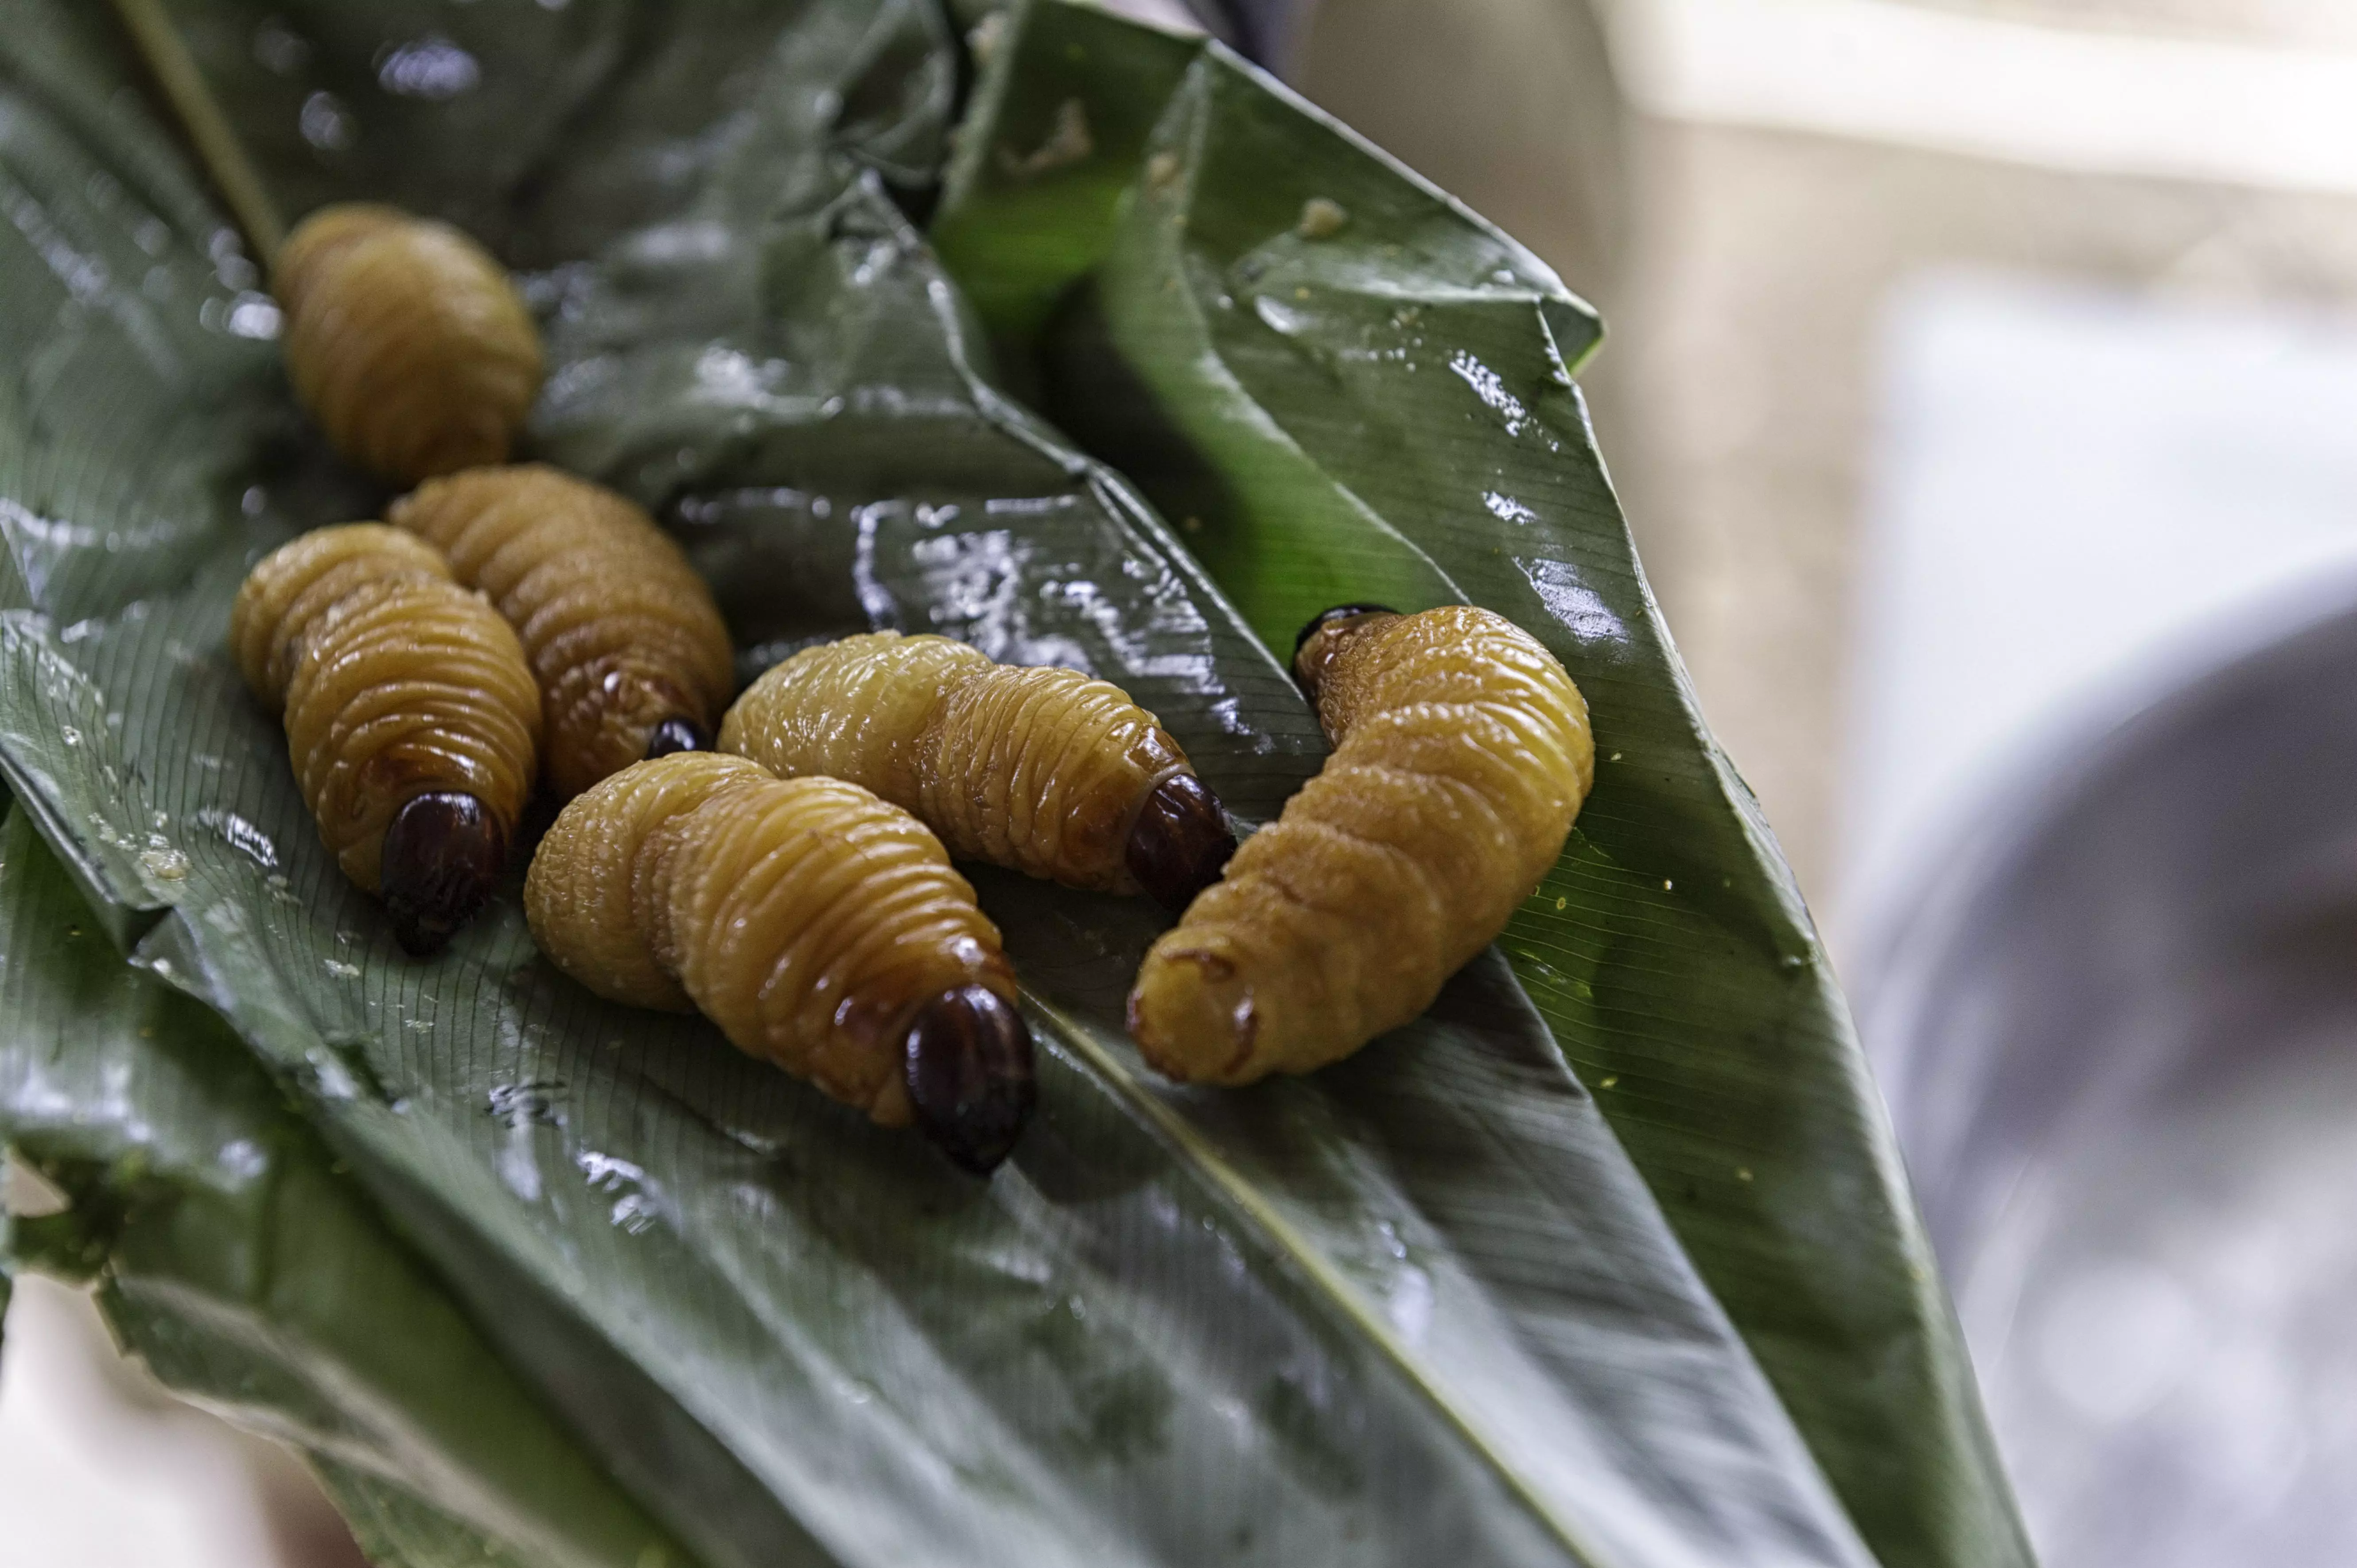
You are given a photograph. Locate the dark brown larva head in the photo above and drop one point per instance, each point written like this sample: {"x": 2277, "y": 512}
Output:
{"x": 443, "y": 855}
{"x": 677, "y": 734}
{"x": 1180, "y": 843}
{"x": 1314, "y": 646}
{"x": 967, "y": 1068}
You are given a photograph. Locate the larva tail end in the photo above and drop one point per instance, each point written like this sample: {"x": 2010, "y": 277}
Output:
{"x": 1180, "y": 843}
{"x": 677, "y": 734}
{"x": 1314, "y": 649}
{"x": 443, "y": 856}
{"x": 968, "y": 1072}
{"x": 1323, "y": 619}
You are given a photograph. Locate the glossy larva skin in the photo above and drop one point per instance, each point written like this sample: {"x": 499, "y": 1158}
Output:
{"x": 1044, "y": 770}
{"x": 619, "y": 628}
{"x": 406, "y": 341}
{"x": 392, "y": 682}
{"x": 807, "y": 918}
{"x": 1462, "y": 755}
{"x": 590, "y": 893}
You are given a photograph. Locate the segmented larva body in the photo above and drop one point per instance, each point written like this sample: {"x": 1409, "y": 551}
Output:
{"x": 1045, "y": 770}
{"x": 406, "y": 341}
{"x": 632, "y": 657}
{"x": 819, "y": 927}
{"x": 411, "y": 718}
{"x": 1462, "y": 755}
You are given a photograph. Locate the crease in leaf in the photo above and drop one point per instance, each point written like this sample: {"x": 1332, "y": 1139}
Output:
{"x": 1175, "y": 1129}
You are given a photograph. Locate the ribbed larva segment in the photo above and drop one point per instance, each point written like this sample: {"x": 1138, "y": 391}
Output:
{"x": 1461, "y": 756}
{"x": 392, "y": 682}
{"x": 298, "y": 582}
{"x": 812, "y": 919}
{"x": 860, "y": 709}
{"x": 807, "y": 918}
{"x": 406, "y": 341}
{"x": 1040, "y": 769}
{"x": 620, "y": 630}
{"x": 589, "y": 896}
{"x": 1043, "y": 770}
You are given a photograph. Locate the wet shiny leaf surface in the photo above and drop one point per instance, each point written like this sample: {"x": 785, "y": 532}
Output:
{"x": 1421, "y": 1305}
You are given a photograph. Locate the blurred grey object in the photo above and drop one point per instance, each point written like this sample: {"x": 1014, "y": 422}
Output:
{"x": 2119, "y": 1037}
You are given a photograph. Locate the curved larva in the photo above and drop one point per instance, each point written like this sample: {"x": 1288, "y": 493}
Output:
{"x": 632, "y": 656}
{"x": 406, "y": 341}
{"x": 411, "y": 718}
{"x": 589, "y": 895}
{"x": 819, "y": 927}
{"x": 1045, "y": 770}
{"x": 1462, "y": 755}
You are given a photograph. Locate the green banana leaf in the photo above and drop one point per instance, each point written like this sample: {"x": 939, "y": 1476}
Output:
{"x": 1421, "y": 1304}
{"x": 248, "y": 1274}
{"x": 1376, "y": 403}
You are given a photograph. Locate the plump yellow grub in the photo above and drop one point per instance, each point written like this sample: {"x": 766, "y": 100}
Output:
{"x": 1046, "y": 771}
{"x": 406, "y": 341}
{"x": 819, "y": 927}
{"x": 411, "y": 718}
{"x": 632, "y": 657}
{"x": 1462, "y": 755}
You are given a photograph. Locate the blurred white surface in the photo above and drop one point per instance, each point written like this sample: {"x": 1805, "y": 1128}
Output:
{"x": 100, "y": 1471}
{"x": 2099, "y": 100}
{"x": 2074, "y": 494}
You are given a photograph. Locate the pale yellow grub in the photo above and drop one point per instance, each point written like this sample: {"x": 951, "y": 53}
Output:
{"x": 620, "y": 630}
{"x": 392, "y": 681}
{"x": 406, "y": 341}
{"x": 1462, "y": 755}
{"x": 1044, "y": 770}
{"x": 807, "y": 918}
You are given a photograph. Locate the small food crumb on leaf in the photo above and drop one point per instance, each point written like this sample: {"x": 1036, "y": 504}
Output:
{"x": 1321, "y": 218}
{"x": 1161, "y": 169}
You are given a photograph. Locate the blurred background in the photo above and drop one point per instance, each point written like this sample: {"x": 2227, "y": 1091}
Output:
{"x": 1978, "y": 372}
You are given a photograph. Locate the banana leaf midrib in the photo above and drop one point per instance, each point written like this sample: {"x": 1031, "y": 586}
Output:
{"x": 1285, "y": 1243}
